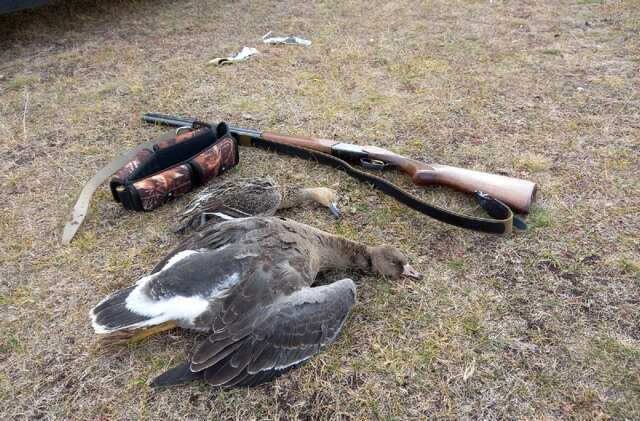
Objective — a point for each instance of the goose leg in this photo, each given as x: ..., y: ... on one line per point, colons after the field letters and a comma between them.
x: 132, y: 336
x: 145, y: 333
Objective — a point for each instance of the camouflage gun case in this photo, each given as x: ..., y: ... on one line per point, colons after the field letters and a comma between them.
x: 174, y: 167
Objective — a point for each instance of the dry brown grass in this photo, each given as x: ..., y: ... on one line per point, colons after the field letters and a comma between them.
x: 542, y: 324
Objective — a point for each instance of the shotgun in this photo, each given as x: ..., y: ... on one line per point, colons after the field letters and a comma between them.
x: 496, y: 194
x: 516, y: 193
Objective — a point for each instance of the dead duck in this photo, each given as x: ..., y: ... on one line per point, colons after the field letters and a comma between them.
x: 243, y: 197
x: 250, y: 282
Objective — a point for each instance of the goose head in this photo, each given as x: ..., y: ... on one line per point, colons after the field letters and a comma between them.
x: 391, y: 262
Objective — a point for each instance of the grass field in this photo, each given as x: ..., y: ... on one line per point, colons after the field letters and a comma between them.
x: 541, y: 324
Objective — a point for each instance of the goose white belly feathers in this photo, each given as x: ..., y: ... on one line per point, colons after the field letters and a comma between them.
x: 249, y: 283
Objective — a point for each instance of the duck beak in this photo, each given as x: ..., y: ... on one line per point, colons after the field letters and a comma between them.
x: 410, y: 272
x: 333, y: 207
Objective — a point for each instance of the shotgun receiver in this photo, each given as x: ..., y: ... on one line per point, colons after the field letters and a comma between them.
x: 516, y: 193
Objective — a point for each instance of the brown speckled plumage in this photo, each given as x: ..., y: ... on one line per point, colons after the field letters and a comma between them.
x: 241, y: 197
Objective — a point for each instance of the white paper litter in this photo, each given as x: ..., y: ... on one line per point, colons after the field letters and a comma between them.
x: 291, y: 40
x: 244, y: 54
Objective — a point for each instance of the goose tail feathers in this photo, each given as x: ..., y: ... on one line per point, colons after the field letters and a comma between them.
x: 178, y: 374
x: 111, y: 315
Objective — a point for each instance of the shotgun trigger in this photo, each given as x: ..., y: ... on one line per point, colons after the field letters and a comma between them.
x: 374, y: 164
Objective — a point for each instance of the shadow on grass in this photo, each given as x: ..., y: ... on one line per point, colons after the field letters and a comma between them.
x: 65, y: 23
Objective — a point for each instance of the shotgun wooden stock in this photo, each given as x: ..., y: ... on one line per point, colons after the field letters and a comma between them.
x: 516, y: 193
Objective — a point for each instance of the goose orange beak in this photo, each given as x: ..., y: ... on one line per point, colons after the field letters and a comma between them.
x: 410, y: 272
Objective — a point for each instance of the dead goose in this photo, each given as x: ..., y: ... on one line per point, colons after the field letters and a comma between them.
x: 250, y: 282
x: 242, y: 197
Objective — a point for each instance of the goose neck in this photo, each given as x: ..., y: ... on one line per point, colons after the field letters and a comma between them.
x: 343, y: 253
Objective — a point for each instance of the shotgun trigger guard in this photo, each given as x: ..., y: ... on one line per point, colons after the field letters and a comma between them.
x: 480, y: 195
x: 183, y: 128
x: 374, y: 164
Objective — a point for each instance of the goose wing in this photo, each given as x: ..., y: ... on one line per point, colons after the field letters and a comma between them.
x: 217, y: 236
x: 253, y: 347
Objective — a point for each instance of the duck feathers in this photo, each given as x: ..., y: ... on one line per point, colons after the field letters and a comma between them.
x: 228, y: 199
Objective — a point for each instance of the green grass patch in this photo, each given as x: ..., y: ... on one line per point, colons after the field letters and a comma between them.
x: 540, y: 218
x: 11, y: 344
x: 457, y: 264
x: 552, y: 52
x: 619, y: 363
x: 20, y: 81
x: 630, y: 266
x: 533, y: 163
x: 472, y: 326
